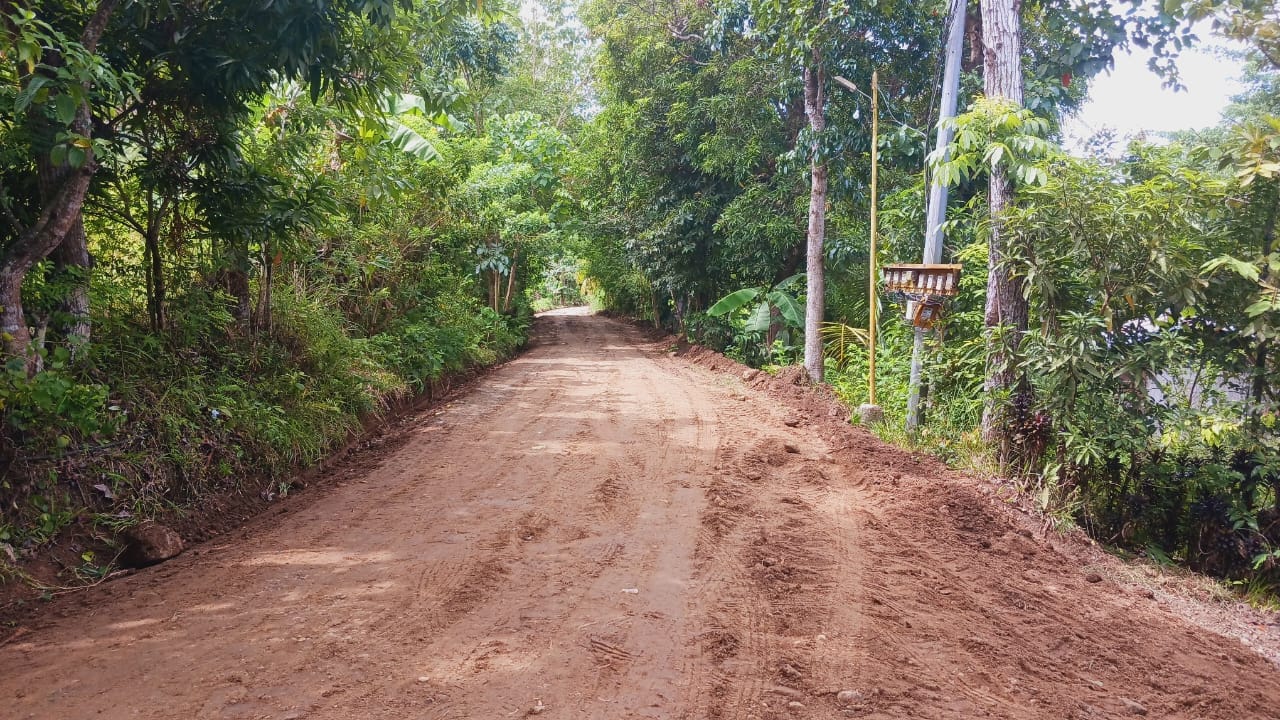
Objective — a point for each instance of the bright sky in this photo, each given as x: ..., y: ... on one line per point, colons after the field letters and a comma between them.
x: 1131, y: 100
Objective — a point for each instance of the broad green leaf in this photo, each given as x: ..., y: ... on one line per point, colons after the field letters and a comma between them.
x: 404, y: 103
x: 1260, y: 307
x: 733, y: 301
x: 791, y: 310
x: 994, y: 154
x: 408, y: 140
x: 786, y: 282
x: 760, y: 319
x: 1244, y: 269
x: 64, y: 107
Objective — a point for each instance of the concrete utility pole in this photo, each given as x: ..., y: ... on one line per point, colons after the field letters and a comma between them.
x: 936, y: 205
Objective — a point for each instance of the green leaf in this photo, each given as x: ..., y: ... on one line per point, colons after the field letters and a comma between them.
x: 408, y: 140
x: 994, y: 154
x: 760, y: 319
x: 791, y: 310
x: 1260, y: 307
x: 404, y: 103
x: 64, y: 107
x: 315, y: 80
x: 1244, y: 269
x: 733, y: 301
x: 786, y: 283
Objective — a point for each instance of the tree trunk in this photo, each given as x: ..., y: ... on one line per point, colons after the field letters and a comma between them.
x: 815, y: 286
x: 55, y: 220
x: 776, y: 325
x: 1260, y: 354
x: 62, y: 211
x: 72, y: 263
x: 267, y: 322
x: 71, y: 256
x: 155, y: 278
x: 1006, y: 308
x: 511, y: 281
x: 235, y: 278
x: 1002, y: 49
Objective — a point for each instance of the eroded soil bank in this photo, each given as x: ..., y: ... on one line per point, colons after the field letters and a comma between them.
x: 600, y: 530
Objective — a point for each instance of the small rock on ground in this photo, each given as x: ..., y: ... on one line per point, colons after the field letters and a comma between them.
x: 1133, y: 706
x: 870, y: 414
x: 845, y: 697
x: 784, y: 690
x: 149, y: 542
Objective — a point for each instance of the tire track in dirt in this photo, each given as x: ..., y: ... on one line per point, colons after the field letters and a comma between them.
x: 562, y: 630
x: 768, y: 568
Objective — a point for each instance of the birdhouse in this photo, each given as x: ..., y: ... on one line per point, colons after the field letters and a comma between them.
x: 920, y: 281
x: 926, y: 289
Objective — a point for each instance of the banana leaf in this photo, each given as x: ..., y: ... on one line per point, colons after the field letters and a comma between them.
x: 733, y: 301
x: 792, y: 311
x: 760, y: 319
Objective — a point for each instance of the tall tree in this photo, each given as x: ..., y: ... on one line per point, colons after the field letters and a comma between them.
x: 815, y: 257
x: 1006, y: 306
x: 819, y: 40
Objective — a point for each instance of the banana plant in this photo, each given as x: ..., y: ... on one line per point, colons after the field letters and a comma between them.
x: 771, y: 305
x: 404, y: 137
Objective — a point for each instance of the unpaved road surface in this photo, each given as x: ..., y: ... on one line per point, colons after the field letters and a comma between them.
x: 600, y: 530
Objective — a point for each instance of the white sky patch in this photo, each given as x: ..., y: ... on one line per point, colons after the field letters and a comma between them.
x: 1131, y: 101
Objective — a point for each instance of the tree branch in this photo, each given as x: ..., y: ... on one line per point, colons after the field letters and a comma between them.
x: 41, y: 238
x: 97, y: 25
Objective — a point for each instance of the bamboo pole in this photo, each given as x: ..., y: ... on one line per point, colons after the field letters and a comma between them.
x: 871, y: 307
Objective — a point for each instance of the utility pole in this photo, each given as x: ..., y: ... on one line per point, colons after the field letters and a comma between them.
x: 936, y: 205
x: 872, y: 300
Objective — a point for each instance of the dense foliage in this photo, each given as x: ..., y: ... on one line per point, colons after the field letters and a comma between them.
x: 290, y: 227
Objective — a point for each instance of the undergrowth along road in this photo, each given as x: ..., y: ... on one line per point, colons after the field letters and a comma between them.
x: 601, y: 530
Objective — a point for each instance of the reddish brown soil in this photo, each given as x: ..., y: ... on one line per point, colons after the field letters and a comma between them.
x: 601, y: 530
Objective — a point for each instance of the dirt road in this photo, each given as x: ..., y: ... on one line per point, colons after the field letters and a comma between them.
x: 599, y: 530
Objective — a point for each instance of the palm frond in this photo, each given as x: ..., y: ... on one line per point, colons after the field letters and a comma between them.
x: 836, y: 339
